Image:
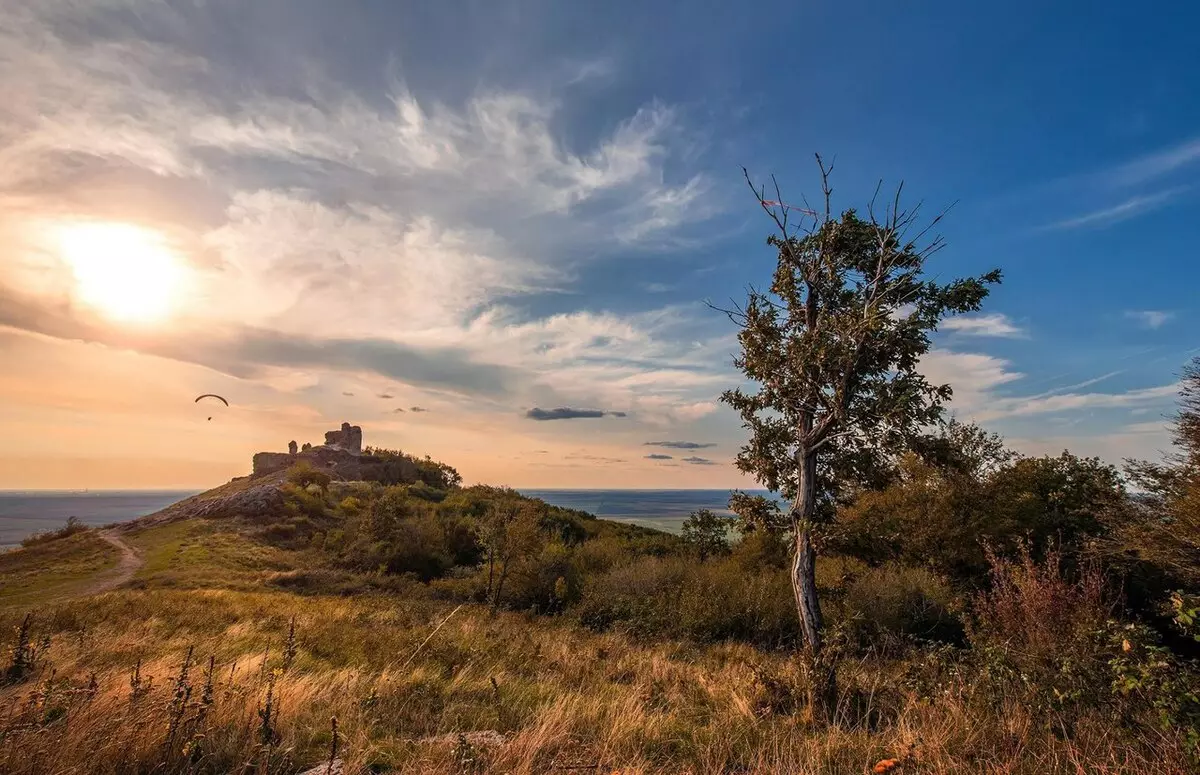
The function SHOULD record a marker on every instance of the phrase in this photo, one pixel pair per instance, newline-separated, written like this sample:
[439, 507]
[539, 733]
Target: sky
[487, 231]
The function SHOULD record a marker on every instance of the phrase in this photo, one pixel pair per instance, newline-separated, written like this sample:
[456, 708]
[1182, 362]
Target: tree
[952, 517]
[707, 532]
[834, 346]
[1167, 530]
[510, 531]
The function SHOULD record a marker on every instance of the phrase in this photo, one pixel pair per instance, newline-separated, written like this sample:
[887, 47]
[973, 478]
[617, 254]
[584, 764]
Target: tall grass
[497, 693]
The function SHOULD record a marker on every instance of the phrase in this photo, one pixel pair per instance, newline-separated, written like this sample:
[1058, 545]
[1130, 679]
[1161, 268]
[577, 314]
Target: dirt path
[127, 566]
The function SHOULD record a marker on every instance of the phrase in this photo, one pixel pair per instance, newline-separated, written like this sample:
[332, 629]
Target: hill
[451, 629]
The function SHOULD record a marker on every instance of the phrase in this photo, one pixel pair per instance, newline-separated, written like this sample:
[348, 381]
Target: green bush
[303, 475]
[677, 598]
[300, 501]
[893, 602]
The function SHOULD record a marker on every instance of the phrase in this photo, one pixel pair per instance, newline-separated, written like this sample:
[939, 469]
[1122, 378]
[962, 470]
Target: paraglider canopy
[211, 395]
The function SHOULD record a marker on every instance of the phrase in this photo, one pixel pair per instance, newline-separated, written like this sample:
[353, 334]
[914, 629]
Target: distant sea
[28, 512]
[660, 509]
[23, 513]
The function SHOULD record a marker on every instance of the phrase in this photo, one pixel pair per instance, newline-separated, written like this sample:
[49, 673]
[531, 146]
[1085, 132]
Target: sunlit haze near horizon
[487, 232]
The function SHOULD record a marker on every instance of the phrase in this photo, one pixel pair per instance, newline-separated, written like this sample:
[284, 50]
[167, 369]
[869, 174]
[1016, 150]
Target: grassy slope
[561, 696]
[54, 569]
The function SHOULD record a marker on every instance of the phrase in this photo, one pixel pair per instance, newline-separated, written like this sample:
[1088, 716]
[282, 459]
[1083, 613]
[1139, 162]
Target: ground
[169, 650]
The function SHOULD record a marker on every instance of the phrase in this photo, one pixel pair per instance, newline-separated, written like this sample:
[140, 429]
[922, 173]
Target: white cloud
[1116, 213]
[1069, 402]
[1150, 318]
[995, 324]
[973, 376]
[1157, 164]
[351, 216]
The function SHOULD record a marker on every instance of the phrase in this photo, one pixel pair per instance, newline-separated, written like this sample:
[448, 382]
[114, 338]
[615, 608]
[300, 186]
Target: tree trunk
[823, 679]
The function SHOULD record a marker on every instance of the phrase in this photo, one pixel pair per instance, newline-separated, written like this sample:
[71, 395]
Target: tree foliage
[834, 345]
[949, 516]
[707, 532]
[833, 348]
[1166, 530]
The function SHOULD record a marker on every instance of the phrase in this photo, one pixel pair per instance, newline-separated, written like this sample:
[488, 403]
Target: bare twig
[413, 655]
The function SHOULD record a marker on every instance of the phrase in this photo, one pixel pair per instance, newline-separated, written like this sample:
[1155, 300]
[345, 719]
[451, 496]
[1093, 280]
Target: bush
[707, 533]
[72, 527]
[676, 598]
[944, 518]
[390, 509]
[892, 603]
[1052, 638]
[299, 501]
[303, 475]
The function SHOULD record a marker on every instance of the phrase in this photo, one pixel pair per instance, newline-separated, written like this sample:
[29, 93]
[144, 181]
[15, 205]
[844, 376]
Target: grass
[558, 696]
[49, 570]
[197, 552]
[487, 692]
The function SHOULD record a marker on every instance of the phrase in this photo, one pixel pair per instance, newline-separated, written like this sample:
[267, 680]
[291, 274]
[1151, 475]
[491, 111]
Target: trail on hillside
[128, 565]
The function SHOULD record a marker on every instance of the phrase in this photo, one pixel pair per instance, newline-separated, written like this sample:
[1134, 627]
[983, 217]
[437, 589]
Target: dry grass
[562, 699]
[55, 568]
[498, 692]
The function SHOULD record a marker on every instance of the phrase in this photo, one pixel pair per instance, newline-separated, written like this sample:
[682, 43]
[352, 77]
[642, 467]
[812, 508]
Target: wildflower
[885, 765]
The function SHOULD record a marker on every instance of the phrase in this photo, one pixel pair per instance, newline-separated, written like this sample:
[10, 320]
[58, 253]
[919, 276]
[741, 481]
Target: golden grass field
[485, 692]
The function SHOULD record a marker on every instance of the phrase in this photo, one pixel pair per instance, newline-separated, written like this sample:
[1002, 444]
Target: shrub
[390, 509]
[707, 533]
[944, 518]
[299, 501]
[1051, 638]
[303, 475]
[1044, 634]
[761, 549]
[73, 526]
[676, 598]
[426, 492]
[896, 602]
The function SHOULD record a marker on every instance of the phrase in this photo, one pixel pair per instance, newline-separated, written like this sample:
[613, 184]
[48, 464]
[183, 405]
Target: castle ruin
[341, 447]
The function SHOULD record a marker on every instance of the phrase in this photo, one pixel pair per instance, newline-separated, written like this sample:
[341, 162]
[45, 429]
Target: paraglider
[211, 395]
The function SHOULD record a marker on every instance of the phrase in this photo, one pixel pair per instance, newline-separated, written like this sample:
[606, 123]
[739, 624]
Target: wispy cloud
[657, 456]
[1157, 164]
[995, 324]
[567, 413]
[1108, 216]
[1070, 402]
[679, 444]
[417, 409]
[1150, 318]
[699, 461]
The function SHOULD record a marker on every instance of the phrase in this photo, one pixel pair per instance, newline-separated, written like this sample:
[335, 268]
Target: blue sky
[482, 209]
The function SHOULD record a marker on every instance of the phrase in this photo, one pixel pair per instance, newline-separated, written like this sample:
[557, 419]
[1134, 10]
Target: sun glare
[127, 272]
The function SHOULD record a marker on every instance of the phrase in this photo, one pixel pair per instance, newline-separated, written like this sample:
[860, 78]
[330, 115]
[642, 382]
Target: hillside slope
[468, 630]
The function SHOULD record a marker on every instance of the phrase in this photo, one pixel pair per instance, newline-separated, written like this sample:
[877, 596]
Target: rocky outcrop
[292, 449]
[348, 439]
[242, 497]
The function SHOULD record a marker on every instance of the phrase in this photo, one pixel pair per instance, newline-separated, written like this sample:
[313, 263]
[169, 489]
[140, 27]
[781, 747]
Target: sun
[128, 272]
